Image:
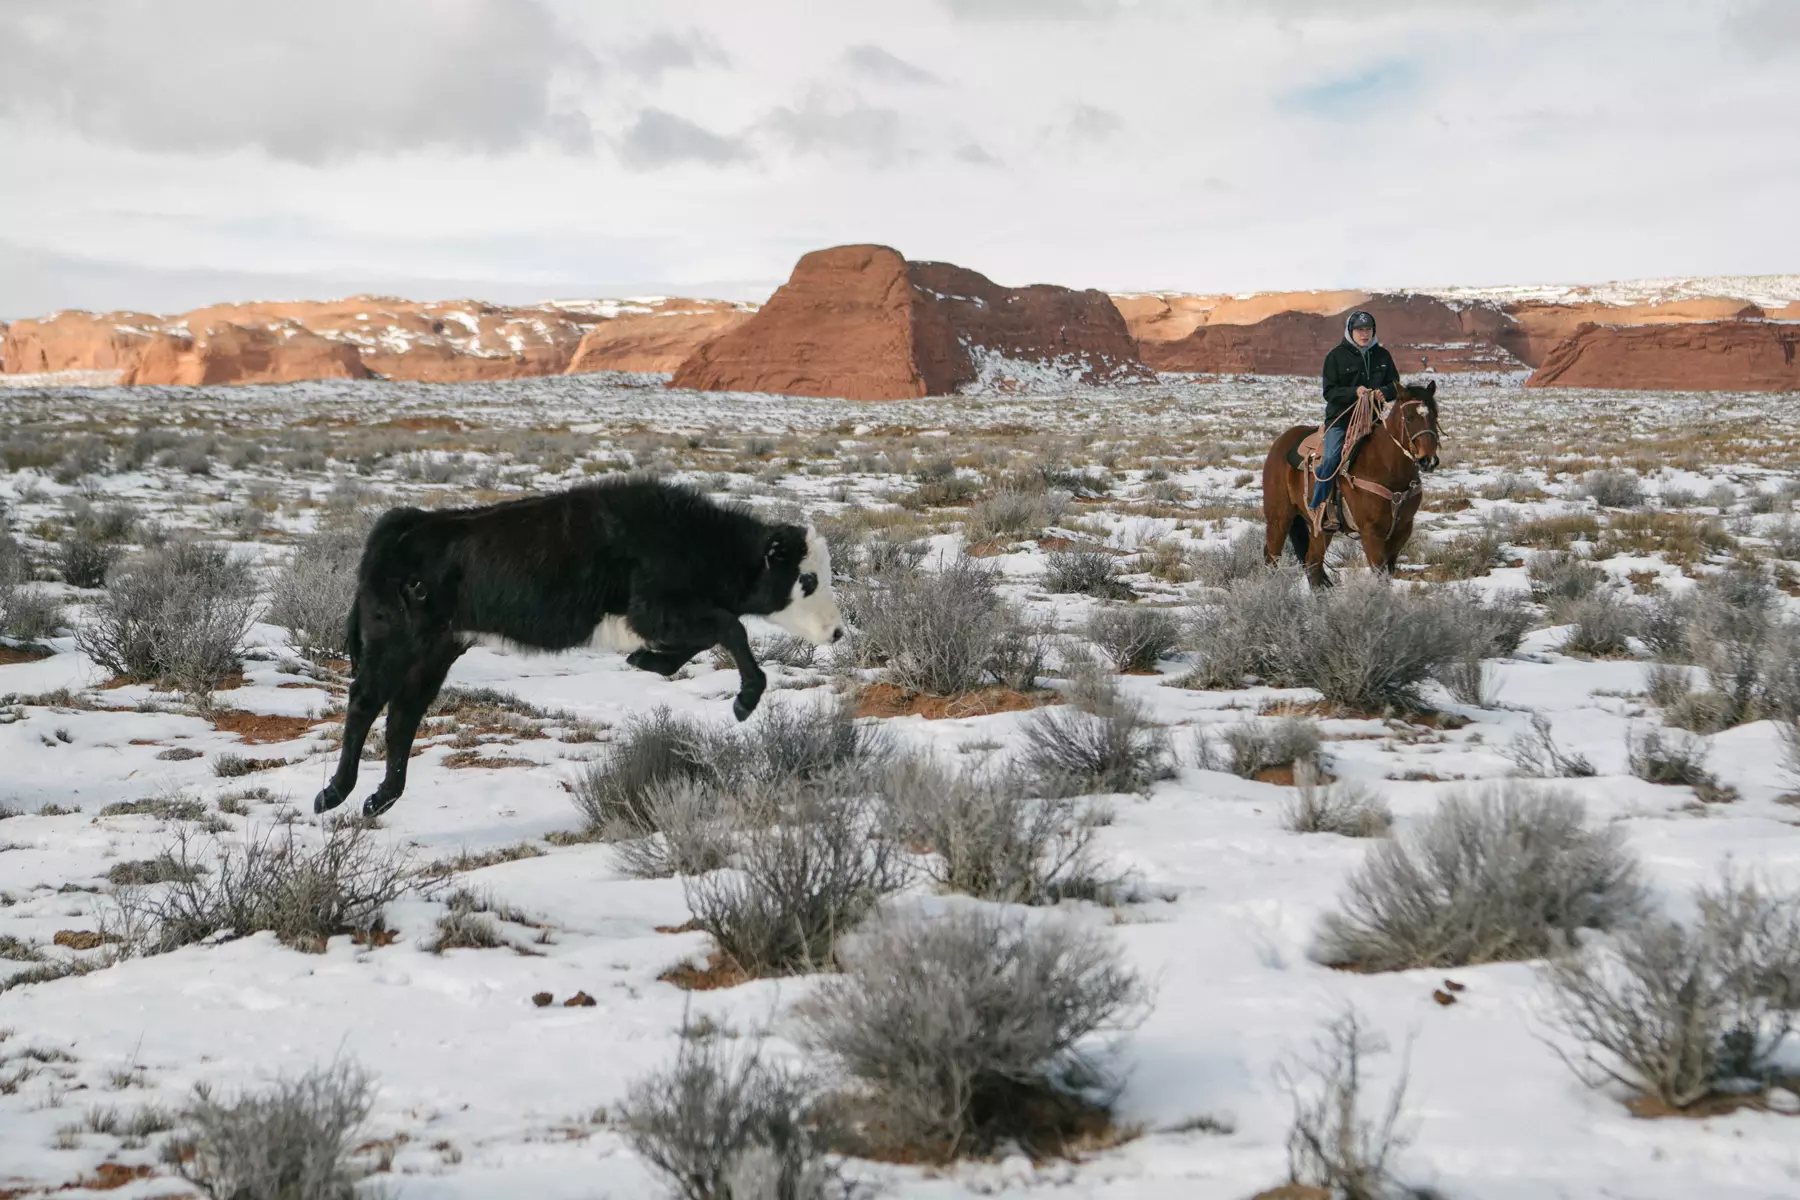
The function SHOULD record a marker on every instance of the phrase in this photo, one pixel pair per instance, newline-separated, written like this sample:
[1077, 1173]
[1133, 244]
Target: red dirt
[110, 1175]
[463, 759]
[689, 926]
[12, 656]
[1284, 776]
[719, 972]
[1651, 1108]
[259, 728]
[886, 700]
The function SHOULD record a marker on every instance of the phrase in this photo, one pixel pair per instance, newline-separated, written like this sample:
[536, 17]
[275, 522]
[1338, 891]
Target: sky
[160, 154]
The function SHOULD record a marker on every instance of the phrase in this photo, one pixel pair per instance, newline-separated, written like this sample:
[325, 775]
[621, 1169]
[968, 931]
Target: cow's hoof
[379, 803]
[636, 659]
[327, 799]
[742, 708]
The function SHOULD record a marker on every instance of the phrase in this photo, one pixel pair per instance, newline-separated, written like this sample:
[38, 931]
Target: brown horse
[1381, 492]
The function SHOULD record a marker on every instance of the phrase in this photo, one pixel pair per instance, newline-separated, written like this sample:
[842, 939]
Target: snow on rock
[863, 323]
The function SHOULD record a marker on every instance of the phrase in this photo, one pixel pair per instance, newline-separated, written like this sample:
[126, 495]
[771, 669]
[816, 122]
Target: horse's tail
[1299, 537]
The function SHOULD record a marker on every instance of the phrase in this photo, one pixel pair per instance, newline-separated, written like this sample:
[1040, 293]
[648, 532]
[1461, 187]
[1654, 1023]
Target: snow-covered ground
[484, 1094]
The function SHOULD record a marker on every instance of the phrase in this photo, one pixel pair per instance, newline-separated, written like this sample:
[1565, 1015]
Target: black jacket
[1349, 367]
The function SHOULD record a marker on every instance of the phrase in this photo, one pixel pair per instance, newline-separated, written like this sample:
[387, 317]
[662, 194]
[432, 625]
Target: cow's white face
[811, 612]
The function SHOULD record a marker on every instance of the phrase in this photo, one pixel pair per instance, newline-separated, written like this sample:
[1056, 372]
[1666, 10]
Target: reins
[1396, 500]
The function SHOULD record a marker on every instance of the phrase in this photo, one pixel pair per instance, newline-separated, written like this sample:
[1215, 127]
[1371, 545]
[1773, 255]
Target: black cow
[624, 564]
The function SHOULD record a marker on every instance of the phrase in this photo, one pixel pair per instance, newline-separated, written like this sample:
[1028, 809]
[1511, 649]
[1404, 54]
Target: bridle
[1410, 447]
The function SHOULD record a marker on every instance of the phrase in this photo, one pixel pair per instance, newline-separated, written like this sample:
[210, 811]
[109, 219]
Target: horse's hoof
[379, 803]
[327, 799]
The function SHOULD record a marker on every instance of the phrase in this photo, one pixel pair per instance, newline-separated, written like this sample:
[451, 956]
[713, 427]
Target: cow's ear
[785, 547]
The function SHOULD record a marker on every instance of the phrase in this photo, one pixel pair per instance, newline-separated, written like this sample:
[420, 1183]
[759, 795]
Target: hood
[1375, 338]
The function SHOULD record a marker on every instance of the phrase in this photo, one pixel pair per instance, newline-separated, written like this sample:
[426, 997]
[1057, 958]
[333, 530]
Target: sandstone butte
[864, 323]
[1289, 333]
[364, 336]
[1738, 355]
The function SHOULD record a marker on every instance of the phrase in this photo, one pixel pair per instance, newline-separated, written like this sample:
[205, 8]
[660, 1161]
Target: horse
[1381, 494]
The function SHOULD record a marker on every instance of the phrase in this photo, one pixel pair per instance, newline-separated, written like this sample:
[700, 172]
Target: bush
[686, 829]
[1683, 1012]
[658, 749]
[990, 839]
[24, 614]
[83, 558]
[1677, 760]
[293, 1141]
[1469, 554]
[1364, 644]
[1614, 488]
[1333, 1144]
[936, 632]
[1537, 754]
[719, 1127]
[1256, 746]
[1737, 633]
[1114, 749]
[304, 893]
[799, 883]
[174, 616]
[312, 591]
[1343, 809]
[1601, 625]
[1015, 515]
[963, 1031]
[1559, 578]
[1507, 875]
[1136, 638]
[1085, 572]
[1223, 565]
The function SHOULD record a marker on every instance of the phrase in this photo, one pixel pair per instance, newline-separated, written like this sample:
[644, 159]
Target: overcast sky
[157, 154]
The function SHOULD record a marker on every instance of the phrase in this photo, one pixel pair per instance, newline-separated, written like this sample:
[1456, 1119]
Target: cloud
[1765, 27]
[1088, 123]
[330, 81]
[661, 139]
[1348, 96]
[1036, 10]
[975, 155]
[839, 128]
[663, 52]
[872, 62]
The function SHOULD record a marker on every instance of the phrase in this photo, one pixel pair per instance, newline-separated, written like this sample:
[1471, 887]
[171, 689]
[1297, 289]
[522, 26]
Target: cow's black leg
[367, 697]
[406, 709]
[664, 662]
[673, 625]
[751, 680]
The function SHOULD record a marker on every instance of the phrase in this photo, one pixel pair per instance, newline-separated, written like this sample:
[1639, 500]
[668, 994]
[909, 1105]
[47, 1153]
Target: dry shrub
[719, 1126]
[1333, 1144]
[176, 616]
[1684, 1012]
[988, 836]
[1536, 754]
[1559, 579]
[312, 592]
[1600, 625]
[1085, 572]
[938, 632]
[1255, 746]
[1342, 808]
[1110, 744]
[1676, 759]
[1135, 638]
[292, 1141]
[1223, 565]
[647, 752]
[1510, 874]
[798, 883]
[25, 614]
[304, 892]
[1614, 488]
[1015, 515]
[965, 1031]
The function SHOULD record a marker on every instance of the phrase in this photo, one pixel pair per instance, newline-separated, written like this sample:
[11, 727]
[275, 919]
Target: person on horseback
[1356, 365]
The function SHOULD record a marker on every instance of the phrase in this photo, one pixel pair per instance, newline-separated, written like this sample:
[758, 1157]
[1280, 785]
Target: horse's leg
[1396, 543]
[1315, 561]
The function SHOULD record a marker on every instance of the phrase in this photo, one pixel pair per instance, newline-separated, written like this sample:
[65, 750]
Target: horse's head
[1413, 421]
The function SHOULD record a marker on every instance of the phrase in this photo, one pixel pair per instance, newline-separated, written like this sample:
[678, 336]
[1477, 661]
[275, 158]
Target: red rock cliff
[863, 323]
[228, 353]
[1738, 356]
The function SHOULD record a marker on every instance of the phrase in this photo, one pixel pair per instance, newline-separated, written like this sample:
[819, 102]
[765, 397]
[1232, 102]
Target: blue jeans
[1328, 464]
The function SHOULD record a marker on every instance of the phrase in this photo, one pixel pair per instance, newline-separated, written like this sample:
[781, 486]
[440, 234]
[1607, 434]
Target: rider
[1356, 365]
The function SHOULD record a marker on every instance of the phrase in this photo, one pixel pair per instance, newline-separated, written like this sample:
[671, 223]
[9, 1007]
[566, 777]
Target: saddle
[1306, 454]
